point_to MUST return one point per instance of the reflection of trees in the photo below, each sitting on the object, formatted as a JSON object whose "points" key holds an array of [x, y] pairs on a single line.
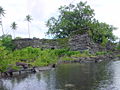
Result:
{"points": [[38, 76], [50, 79], [83, 76], [2, 86], [11, 82], [20, 78]]}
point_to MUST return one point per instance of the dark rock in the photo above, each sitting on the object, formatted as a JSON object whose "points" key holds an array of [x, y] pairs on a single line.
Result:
{"points": [[84, 42], [24, 65], [54, 65]]}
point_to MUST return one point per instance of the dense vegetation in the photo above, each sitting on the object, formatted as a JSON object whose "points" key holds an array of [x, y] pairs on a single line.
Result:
{"points": [[73, 19], [79, 19], [33, 56]]}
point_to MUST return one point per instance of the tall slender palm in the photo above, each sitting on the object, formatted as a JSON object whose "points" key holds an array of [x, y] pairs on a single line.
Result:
{"points": [[1, 14], [14, 27], [28, 19]]}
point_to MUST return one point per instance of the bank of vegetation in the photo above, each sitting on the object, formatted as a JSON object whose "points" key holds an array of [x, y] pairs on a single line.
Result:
{"points": [[36, 57], [72, 20]]}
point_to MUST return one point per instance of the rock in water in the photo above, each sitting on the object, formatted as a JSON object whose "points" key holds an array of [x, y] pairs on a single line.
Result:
{"points": [[69, 85]]}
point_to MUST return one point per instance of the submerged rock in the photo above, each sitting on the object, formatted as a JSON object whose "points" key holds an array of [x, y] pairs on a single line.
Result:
{"points": [[69, 85]]}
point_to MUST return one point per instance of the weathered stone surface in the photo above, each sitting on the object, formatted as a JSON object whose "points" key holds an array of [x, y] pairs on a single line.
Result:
{"points": [[37, 43], [75, 43], [84, 42]]}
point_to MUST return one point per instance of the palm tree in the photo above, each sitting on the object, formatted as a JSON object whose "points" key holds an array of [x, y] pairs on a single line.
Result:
{"points": [[28, 19], [14, 27], [1, 14]]}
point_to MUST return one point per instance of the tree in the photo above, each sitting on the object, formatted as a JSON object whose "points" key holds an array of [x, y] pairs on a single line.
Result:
{"points": [[14, 27], [79, 19], [101, 32], [1, 14], [72, 18], [28, 19], [7, 42]]}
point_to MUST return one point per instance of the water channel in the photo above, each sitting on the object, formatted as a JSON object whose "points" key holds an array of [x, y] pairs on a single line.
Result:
{"points": [[84, 76]]}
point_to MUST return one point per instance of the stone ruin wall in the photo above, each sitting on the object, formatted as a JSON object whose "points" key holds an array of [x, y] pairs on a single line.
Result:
{"points": [[75, 43]]}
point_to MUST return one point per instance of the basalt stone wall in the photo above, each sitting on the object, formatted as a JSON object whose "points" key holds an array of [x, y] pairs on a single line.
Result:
{"points": [[76, 43], [41, 43], [37, 43], [84, 42]]}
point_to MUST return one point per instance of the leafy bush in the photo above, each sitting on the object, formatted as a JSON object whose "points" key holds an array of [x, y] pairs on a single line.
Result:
{"points": [[7, 42], [118, 46], [66, 58], [63, 52], [101, 53]]}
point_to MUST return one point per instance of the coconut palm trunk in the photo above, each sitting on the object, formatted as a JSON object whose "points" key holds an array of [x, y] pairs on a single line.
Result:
{"points": [[1, 24], [14, 27], [14, 34], [28, 19], [28, 29]]}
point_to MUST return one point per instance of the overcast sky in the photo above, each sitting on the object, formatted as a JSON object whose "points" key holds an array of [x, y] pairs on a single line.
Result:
{"points": [[41, 10]]}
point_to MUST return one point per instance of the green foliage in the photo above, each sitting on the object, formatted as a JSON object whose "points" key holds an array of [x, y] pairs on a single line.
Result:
{"points": [[101, 53], [4, 57], [85, 53], [118, 46], [65, 52], [7, 42], [63, 42], [79, 19], [66, 58], [14, 26], [28, 18], [118, 55], [77, 54], [71, 19], [101, 32], [33, 56]]}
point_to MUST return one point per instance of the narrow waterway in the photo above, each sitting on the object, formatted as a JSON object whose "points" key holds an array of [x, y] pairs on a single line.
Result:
{"points": [[85, 76]]}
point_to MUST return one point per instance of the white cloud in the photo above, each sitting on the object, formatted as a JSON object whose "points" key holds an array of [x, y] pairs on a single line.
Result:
{"points": [[41, 10]]}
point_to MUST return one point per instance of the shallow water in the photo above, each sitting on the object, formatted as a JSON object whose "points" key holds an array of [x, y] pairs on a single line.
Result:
{"points": [[85, 76]]}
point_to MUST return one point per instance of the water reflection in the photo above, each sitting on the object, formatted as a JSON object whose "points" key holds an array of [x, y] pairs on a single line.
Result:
{"points": [[90, 76]]}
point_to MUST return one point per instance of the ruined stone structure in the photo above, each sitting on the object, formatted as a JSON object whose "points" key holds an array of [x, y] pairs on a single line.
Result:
{"points": [[76, 43], [37, 43], [84, 42]]}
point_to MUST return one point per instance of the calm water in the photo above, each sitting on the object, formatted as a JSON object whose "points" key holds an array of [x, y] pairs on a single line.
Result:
{"points": [[90, 76]]}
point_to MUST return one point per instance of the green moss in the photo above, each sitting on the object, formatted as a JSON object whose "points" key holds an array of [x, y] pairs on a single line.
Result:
{"points": [[66, 58], [101, 53], [118, 55], [63, 42]]}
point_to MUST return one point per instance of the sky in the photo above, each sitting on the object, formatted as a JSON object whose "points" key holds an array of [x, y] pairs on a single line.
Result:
{"points": [[41, 10]]}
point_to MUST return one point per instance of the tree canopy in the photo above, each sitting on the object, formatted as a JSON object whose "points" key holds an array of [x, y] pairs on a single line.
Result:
{"points": [[79, 19]]}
